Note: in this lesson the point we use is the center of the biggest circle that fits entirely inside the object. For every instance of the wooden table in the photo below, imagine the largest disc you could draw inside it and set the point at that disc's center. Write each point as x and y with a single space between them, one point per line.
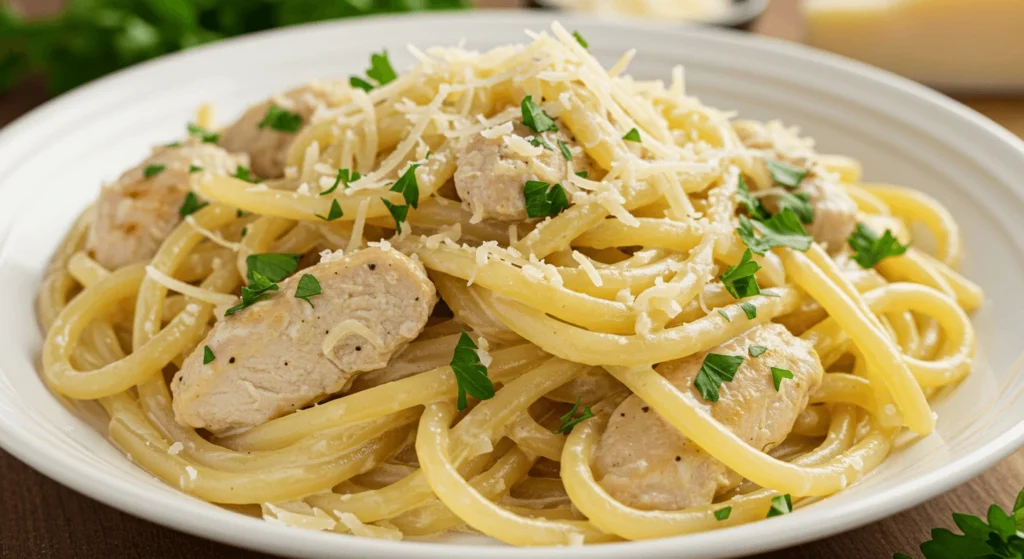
39 518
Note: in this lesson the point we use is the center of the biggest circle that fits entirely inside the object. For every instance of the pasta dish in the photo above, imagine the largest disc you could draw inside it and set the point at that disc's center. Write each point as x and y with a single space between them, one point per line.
512 292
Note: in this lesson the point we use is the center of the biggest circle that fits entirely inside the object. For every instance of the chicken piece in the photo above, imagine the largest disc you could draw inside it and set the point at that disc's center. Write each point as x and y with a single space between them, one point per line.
646 463
283 353
268 148
492 172
835 213
136 213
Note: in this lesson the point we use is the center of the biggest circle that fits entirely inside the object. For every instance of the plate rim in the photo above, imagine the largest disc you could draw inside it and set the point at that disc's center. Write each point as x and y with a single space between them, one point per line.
143 503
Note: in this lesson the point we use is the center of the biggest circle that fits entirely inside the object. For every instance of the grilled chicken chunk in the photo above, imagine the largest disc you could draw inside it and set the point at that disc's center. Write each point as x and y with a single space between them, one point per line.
491 172
283 353
835 213
136 213
267 147
646 463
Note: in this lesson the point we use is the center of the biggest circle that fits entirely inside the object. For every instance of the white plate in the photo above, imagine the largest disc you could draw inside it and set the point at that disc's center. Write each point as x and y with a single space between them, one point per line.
52 161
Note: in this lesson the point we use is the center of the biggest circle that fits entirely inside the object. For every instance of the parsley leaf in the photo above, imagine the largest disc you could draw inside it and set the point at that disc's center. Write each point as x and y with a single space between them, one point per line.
581 174
723 513
542 201
153 170
281 120
334 213
398 213
565 150
194 169
781 504
356 81
799 203
308 287
715 370
568 421
537 141
470 374
191 205
781 230
725 315
535 118
579 39
408 187
999 538
779 374
749 309
785 174
739 280
208 355
870 249
272 266
754 206
344 177
203 134
632 136
258 287
244 174
380 68
756 350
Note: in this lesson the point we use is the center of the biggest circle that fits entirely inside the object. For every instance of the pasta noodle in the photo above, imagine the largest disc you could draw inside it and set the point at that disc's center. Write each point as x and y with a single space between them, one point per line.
623 272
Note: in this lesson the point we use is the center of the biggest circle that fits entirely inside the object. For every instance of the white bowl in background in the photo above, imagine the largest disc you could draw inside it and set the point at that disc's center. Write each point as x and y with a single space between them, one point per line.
53 160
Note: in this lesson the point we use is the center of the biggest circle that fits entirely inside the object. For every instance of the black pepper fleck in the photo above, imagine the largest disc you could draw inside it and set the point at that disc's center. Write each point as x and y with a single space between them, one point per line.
373 267
359 348
678 459
232 360
645 409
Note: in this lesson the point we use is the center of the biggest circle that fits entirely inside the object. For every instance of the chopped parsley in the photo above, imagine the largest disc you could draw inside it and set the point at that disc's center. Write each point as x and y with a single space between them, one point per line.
208 355
407 186
799 202
173 145
870 249
245 231
568 421
191 205
245 174
380 71
344 177
538 141
281 120
535 118
308 287
739 280
542 201
153 170
632 136
725 315
785 174
194 169
565 150
581 174
723 513
399 213
999 538
781 504
203 134
470 374
715 370
756 350
258 287
241 213
780 230
779 374
356 81
334 213
749 309
754 206
579 39
273 266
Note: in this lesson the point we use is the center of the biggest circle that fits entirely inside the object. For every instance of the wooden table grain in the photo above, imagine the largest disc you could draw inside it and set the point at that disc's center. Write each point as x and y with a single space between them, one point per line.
42 519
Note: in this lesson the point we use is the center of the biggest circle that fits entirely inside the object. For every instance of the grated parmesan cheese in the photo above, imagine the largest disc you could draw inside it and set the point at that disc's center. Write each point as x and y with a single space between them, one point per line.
344 328
588 267
192 291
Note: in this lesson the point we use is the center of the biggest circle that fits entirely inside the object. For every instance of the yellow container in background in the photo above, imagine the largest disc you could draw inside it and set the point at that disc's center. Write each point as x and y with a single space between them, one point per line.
957 45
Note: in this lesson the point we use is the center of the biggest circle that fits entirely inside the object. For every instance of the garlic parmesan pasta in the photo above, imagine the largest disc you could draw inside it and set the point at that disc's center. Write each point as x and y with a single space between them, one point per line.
510 291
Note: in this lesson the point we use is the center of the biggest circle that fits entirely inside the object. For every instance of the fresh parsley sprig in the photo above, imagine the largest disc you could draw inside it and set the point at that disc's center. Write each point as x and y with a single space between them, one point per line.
632 136
308 287
344 177
153 170
780 230
543 199
263 272
535 118
334 213
191 205
407 186
569 421
398 212
470 374
754 206
778 374
208 356
870 249
203 134
1002 537
785 174
740 280
281 120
